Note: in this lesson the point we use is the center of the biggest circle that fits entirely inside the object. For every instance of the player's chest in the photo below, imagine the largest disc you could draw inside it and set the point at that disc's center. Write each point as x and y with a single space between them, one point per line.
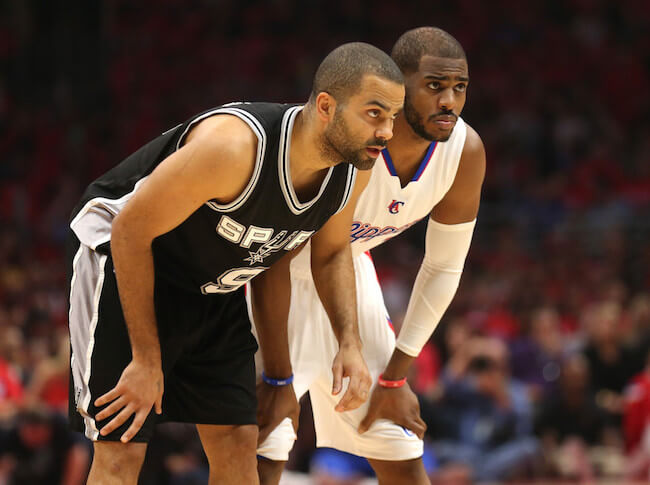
385 203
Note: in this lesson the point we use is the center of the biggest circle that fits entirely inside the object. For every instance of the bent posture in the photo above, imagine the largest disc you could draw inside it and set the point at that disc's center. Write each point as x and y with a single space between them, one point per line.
162 245
434 166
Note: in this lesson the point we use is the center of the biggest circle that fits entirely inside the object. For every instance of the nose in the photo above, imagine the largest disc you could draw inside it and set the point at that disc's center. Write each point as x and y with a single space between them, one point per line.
385 130
446 100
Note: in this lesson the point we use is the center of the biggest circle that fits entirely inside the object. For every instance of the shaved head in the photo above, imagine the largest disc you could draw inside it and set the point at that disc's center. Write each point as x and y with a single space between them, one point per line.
341 72
424 41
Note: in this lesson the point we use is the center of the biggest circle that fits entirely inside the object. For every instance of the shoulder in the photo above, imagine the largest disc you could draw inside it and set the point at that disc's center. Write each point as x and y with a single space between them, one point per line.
471 167
225 133
473 150
224 141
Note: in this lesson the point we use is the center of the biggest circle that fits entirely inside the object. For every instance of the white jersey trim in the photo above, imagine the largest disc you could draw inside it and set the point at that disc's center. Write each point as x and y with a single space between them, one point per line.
257 128
284 168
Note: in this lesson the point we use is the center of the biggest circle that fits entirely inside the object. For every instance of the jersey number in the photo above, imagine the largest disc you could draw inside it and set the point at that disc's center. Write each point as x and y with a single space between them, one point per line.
231 280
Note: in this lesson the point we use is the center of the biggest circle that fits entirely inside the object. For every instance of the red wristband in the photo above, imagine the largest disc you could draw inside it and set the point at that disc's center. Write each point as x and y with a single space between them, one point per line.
390 384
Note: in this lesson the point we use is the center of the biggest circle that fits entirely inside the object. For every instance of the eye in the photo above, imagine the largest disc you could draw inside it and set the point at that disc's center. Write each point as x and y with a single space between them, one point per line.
460 88
434 85
373 113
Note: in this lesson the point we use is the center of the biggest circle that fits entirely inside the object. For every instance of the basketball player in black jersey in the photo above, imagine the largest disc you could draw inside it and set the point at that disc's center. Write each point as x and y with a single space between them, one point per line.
162 245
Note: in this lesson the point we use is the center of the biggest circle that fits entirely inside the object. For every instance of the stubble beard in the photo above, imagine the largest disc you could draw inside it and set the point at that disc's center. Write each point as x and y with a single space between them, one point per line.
335 145
416 122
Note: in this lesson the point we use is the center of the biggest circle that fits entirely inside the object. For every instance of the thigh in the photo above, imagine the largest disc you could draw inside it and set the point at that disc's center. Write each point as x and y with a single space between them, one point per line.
384 440
213 379
99 342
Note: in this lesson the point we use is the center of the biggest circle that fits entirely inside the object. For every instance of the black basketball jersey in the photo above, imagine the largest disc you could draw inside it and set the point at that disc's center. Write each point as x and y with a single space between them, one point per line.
220 247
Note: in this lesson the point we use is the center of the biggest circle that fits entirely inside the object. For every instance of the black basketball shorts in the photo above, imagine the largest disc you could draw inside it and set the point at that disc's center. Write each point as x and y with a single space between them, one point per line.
206 345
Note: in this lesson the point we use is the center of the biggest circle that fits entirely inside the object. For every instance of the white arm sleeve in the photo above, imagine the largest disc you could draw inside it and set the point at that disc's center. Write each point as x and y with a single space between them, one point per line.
435 286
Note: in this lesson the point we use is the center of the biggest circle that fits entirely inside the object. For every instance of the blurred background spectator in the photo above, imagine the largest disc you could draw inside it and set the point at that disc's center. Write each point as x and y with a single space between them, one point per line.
557 285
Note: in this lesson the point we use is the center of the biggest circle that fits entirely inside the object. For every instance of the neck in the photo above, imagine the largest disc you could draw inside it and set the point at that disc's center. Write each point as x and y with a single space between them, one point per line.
307 163
305 149
406 147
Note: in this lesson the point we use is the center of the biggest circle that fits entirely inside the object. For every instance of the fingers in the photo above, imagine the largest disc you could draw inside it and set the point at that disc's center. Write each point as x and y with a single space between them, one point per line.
108 397
411 422
137 423
337 384
114 407
368 420
355 396
118 420
264 432
158 404
419 428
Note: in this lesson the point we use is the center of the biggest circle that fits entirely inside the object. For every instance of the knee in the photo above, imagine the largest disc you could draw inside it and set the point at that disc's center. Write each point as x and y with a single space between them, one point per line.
400 472
243 437
232 442
119 459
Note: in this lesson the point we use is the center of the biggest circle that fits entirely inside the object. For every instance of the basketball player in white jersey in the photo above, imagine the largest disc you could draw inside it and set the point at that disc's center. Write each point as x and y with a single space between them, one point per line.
434 166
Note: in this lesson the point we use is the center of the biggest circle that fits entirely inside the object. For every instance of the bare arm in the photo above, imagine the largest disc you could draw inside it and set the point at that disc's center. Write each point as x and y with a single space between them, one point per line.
270 298
333 273
215 163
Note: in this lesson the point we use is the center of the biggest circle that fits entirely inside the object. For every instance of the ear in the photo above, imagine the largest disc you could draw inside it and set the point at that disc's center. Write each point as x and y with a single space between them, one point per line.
325 106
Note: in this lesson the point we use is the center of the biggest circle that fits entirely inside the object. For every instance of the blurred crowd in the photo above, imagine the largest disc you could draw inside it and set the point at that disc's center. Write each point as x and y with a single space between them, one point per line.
540 367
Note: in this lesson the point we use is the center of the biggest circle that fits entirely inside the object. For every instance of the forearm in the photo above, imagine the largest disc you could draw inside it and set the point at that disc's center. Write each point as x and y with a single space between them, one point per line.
436 283
398 366
335 282
270 298
134 270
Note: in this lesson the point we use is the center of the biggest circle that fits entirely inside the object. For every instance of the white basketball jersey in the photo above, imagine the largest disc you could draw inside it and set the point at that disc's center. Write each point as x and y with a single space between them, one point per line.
386 209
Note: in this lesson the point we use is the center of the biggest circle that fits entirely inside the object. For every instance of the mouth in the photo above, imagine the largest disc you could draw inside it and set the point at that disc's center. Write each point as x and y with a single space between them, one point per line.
446 122
373 151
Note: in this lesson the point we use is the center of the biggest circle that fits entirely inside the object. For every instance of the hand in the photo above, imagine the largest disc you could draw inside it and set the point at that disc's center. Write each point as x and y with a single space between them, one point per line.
274 403
349 363
399 405
140 388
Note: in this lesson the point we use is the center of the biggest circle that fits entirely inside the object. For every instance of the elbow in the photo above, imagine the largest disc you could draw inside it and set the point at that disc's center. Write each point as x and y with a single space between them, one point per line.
128 235
335 255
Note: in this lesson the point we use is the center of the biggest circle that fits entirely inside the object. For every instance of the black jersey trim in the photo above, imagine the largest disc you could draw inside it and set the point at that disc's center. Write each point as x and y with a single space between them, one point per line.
284 170
352 177
257 128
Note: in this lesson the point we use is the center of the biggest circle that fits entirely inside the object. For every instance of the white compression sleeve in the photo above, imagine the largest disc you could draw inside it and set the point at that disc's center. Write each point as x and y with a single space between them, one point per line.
435 286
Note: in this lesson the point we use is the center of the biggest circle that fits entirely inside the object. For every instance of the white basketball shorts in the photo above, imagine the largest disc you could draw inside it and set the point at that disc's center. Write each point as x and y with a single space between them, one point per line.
313 347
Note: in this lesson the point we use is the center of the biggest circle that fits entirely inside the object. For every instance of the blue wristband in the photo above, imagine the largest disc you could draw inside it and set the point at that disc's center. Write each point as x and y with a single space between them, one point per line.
277 382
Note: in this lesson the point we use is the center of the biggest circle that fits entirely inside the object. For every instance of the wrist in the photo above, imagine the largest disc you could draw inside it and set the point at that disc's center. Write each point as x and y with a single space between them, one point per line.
277 381
350 339
148 358
391 383
398 366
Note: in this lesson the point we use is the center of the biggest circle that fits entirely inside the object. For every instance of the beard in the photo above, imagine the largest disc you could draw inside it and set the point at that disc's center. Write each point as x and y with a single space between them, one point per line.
336 144
416 121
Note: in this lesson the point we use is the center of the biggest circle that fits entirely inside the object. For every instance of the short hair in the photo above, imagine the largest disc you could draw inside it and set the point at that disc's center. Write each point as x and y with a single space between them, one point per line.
341 71
432 41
